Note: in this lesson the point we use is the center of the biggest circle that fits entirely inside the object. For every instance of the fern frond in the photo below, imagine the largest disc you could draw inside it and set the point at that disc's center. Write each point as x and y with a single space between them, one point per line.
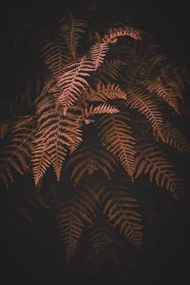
110 69
99 50
88 160
73 215
103 93
71 29
55 56
57 132
40 159
164 92
122 214
16 154
97 53
175 77
137 99
73 81
151 160
100 109
116 136
143 63
174 138
101 237
114 33
70 226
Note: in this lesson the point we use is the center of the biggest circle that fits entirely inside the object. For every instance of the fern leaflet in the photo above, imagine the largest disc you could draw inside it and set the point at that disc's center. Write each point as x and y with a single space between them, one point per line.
16 154
103 93
71 29
116 136
139 100
88 160
101 236
73 81
57 133
73 215
121 212
150 159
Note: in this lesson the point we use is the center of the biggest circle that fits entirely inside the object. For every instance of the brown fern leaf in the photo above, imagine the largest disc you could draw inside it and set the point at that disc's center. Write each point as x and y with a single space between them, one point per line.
171 80
16 154
175 77
99 50
100 109
3 129
40 159
114 33
110 69
57 132
70 227
71 29
101 237
72 83
103 93
48 88
150 159
164 92
73 216
97 53
116 136
173 137
137 99
143 63
88 160
111 256
122 214
55 56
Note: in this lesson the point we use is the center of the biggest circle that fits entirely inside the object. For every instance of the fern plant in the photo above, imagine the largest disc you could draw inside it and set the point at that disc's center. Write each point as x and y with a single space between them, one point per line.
105 113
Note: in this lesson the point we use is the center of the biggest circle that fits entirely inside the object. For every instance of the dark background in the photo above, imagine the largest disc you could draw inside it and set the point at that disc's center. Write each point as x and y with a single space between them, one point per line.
27 260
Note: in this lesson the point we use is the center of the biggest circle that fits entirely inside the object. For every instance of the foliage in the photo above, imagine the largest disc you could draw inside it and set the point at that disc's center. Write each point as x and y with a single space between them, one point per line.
105 112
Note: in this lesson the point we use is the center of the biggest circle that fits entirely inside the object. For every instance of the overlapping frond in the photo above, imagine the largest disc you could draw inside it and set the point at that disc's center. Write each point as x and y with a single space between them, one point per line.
71 29
16 154
174 138
114 33
40 159
73 215
97 53
116 136
122 214
73 81
101 237
111 100
150 159
70 226
55 56
103 93
142 63
164 92
56 134
100 109
99 50
88 160
110 69
144 103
